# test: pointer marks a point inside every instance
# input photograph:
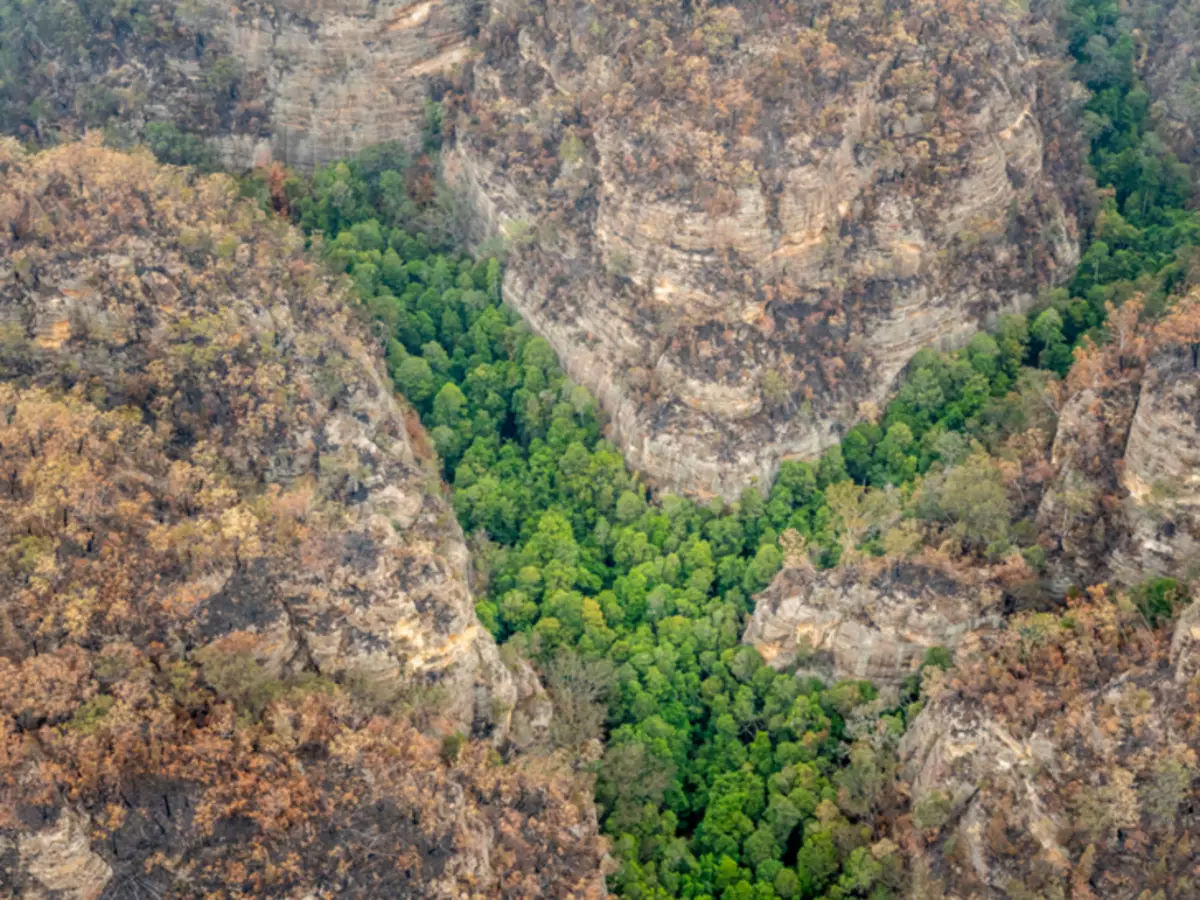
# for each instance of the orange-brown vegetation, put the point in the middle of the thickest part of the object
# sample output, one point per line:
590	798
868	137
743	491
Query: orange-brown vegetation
177	524
1077	733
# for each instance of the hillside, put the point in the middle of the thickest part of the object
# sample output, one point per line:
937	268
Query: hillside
233	590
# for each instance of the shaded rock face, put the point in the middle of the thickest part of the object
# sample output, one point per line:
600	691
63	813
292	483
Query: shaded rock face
1050	753
737	226
295	404
869	621
1125	502
305	82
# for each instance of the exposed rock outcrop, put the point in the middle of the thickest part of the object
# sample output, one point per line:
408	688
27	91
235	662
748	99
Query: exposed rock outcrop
1083	500
1125	501
305	82
1161	474
60	860
1054	757
873	620
736	226
234	615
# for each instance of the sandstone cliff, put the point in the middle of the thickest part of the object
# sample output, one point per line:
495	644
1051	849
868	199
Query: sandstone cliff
230	582
1124	501
874	620
736	225
1059	759
206	314
306	82
1161	473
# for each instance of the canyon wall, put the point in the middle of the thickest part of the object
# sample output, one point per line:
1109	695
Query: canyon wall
736	227
236	624
305	82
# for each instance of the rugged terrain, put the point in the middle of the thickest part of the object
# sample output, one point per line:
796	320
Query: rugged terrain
238	649
232	585
737	226
1058	760
1123	502
875	620
302	82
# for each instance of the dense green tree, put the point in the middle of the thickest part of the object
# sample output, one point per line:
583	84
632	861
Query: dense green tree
721	778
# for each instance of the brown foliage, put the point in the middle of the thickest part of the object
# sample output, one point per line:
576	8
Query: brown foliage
1107	739
164	434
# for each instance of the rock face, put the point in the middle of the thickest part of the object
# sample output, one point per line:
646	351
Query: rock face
334	76
1169	38
388	601
305	82
61	860
1052	751
871	620
1125	502
1161	473
736	226
233	594
1083	500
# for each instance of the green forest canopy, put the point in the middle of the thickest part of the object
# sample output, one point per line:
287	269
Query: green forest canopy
722	777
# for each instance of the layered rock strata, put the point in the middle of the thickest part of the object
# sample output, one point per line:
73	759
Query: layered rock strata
304	82
737	226
872	620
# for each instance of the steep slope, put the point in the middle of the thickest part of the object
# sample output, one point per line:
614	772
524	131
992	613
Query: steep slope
1123	502
1169	57
737	224
1059	760
302	82
231	585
